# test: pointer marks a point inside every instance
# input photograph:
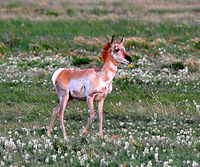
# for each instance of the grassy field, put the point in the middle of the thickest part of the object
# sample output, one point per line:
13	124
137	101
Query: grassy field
152	116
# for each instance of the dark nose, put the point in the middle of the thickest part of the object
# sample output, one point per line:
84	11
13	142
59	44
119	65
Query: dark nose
128	58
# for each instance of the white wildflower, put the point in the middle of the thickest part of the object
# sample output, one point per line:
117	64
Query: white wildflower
126	145
149	164
2	163
165	164
195	164
27	156
102	162
47	159
146	150
156	156
132	156
54	157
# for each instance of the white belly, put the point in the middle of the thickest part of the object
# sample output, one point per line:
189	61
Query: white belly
77	88
81	88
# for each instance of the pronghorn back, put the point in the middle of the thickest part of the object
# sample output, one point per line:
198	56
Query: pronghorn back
68	74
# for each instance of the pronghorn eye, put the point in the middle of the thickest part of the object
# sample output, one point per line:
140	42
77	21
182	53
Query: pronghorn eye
116	49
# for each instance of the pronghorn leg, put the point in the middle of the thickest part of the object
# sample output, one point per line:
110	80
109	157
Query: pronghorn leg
91	108
54	114
100	108
63	105
56	110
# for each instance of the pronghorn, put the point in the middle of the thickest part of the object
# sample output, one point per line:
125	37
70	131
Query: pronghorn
89	84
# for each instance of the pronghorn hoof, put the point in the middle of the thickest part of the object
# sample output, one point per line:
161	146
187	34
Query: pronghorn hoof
48	134
84	132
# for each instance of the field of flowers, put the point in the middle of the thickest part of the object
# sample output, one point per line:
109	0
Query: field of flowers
152	116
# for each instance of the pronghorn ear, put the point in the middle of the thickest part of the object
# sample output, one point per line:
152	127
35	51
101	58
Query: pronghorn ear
112	39
122	40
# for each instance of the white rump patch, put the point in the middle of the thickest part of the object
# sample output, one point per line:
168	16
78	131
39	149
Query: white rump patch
55	75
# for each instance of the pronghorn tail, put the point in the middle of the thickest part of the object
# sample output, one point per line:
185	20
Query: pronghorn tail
55	75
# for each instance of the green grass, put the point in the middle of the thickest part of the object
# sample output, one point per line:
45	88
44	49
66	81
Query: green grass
19	34
28	106
77	61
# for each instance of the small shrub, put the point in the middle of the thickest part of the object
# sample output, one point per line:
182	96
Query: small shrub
77	61
97	11
46	46
196	43
174	66
177	66
70	11
52	13
2	48
14	42
35	47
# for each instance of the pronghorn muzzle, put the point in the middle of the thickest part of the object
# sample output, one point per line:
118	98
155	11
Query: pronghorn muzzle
128	59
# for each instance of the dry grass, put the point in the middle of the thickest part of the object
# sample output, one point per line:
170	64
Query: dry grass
193	64
113	9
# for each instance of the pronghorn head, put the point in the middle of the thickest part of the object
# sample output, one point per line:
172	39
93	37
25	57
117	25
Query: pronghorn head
118	51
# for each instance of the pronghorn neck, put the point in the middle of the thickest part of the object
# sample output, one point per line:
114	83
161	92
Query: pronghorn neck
109	69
